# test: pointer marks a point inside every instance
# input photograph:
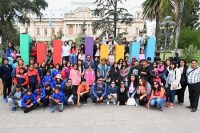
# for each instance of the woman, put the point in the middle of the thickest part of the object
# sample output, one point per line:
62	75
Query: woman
66	51
132	86
89	76
81	56
73	54
172	83
75	76
20	64
21	78
143	91
66	71
124	71
120	63
183	69
80	68
122	96
114	74
157	97
112	93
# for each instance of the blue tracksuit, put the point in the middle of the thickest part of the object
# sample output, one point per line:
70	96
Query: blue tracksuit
26	97
41	93
55	72
99	91
112	90
59	96
50	80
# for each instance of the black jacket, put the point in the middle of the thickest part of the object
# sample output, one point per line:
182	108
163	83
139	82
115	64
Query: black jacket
6	72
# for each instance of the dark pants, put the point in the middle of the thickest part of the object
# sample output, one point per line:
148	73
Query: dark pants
46	102
194	92
32	87
66	58
170	94
83	98
181	93
26	110
6	87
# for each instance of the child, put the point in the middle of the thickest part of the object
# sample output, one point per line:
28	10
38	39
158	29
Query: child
56	70
122	94
73	54
15	98
28	101
58	81
141	56
48	79
90	75
57	99
111	57
66	71
40	95
49	58
48	92
112	93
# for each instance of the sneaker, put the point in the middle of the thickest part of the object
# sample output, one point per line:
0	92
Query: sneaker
5	100
193	110
114	103
108	102
52	109
13	109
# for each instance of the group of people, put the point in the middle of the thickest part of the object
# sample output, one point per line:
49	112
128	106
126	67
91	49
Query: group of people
80	76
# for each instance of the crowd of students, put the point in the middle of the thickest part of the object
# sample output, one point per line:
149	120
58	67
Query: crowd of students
81	76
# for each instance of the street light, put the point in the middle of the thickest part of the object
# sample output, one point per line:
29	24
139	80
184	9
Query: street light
167	27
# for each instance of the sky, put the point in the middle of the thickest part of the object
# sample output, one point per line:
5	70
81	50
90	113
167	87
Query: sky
69	5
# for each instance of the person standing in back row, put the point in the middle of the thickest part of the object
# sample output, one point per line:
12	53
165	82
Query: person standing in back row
193	78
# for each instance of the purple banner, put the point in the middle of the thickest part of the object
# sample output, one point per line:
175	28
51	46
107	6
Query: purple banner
89	43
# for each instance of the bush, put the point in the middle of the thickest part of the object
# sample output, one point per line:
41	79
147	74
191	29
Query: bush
189	37
189	53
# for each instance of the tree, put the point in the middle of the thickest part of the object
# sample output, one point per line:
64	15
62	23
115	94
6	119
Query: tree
17	11
110	15
156	10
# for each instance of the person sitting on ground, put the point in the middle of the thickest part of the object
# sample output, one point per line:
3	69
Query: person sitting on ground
15	97
48	92
40	95
112	93
99	91
122	96
29	101
157	97
57	99
83	92
70	92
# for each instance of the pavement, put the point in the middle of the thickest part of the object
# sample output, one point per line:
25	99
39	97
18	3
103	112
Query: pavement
102	118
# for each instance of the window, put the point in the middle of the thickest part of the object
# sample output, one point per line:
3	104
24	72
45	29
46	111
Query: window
53	31
70	30
60	30
38	31
45	31
136	31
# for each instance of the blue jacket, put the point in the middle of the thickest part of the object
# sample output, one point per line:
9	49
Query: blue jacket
26	97
96	91
50	80
112	90
55	72
59	96
62	85
85	64
42	93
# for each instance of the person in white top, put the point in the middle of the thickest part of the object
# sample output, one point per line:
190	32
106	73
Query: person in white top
66	51
111	44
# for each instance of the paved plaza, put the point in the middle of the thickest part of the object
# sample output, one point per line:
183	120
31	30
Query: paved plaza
101	118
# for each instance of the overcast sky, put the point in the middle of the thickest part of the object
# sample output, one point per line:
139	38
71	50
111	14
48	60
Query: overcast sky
69	5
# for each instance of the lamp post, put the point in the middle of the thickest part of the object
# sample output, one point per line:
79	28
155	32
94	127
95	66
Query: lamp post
83	30
167	27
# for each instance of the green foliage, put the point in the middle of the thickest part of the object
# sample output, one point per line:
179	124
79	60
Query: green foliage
13	11
110	15
189	37
79	38
58	36
189	53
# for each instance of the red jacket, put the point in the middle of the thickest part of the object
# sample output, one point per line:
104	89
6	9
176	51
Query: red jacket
33	77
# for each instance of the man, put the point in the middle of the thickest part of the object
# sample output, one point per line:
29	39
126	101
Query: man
99	91
40	95
15	97
96	48
102	70
29	101
57	99
88	62
193	78
144	70
6	76
70	92
83	92
111	43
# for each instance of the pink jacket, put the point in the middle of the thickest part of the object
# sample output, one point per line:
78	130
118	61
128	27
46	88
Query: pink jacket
89	77
75	76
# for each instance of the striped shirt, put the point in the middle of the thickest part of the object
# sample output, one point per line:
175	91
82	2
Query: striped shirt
193	77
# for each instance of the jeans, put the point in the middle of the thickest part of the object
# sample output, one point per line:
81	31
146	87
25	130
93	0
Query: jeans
73	58
59	106
14	103
157	101
171	94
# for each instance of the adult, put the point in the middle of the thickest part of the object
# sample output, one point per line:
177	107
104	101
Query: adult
96	48
88	61
132	86
99	91
144	69
66	51
183	69
82	92
114	74
112	93
172	83
126	45
102	69
122	96
6	76
157	97
193	79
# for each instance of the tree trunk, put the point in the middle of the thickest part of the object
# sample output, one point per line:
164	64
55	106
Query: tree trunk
179	11
157	29
115	19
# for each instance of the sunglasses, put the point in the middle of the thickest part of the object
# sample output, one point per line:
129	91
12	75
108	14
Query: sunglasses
100	80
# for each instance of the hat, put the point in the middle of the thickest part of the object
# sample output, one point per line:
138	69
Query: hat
58	76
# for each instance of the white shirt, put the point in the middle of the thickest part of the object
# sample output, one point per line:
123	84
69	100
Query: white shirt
66	50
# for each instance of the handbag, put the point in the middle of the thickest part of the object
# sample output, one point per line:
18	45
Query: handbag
131	102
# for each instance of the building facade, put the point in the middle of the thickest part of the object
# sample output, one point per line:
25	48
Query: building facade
70	25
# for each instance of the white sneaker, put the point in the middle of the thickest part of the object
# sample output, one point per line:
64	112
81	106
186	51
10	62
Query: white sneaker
114	103
108	102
